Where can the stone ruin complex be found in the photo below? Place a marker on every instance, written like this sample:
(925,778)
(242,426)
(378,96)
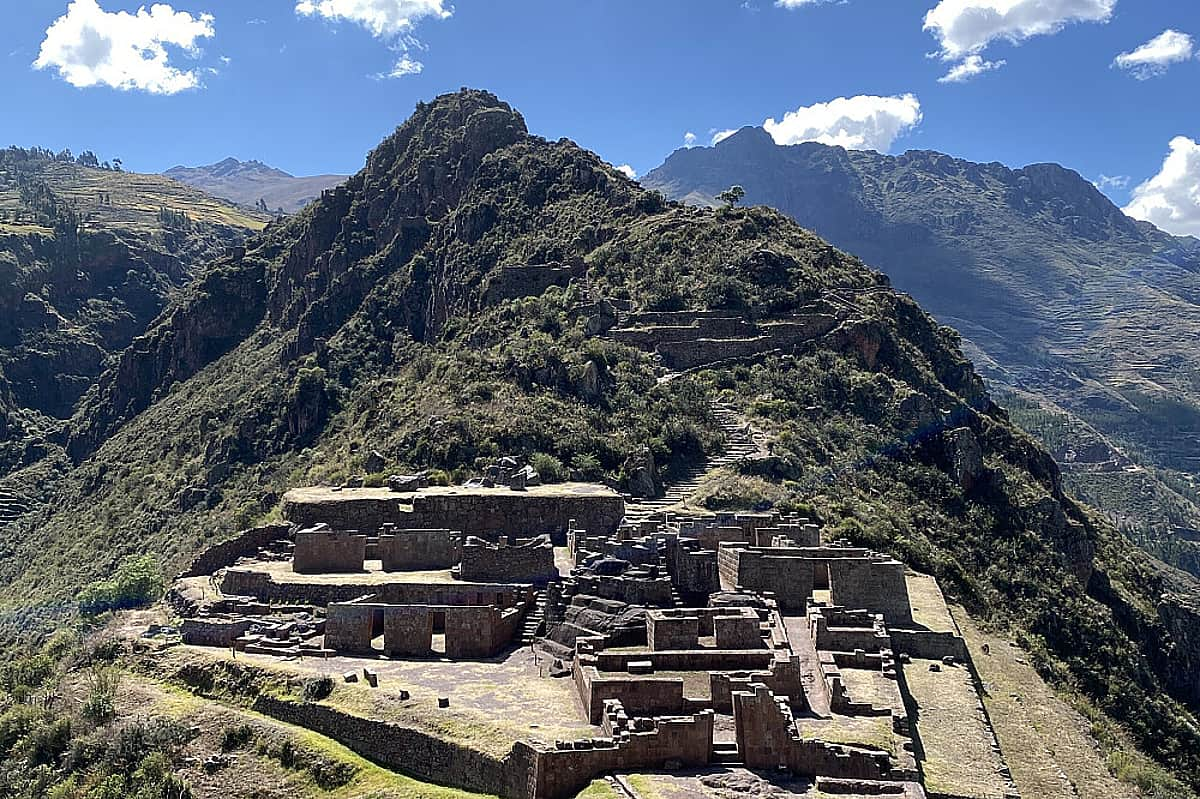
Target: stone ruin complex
(678,642)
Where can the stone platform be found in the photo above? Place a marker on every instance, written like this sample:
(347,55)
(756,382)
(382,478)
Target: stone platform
(487,513)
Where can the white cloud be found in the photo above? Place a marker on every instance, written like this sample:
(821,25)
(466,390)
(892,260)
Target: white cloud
(92,47)
(970,67)
(721,135)
(405,66)
(383,18)
(802,3)
(689,139)
(1171,199)
(627,171)
(1114,182)
(864,122)
(964,28)
(1155,56)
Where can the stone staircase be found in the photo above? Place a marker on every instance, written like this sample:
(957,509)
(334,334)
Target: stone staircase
(726,753)
(12,507)
(534,623)
(741,441)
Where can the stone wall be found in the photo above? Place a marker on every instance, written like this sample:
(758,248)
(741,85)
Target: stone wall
(876,584)
(213,632)
(414,752)
(766,740)
(329,552)
(238,581)
(470,631)
(644,696)
(484,512)
(738,630)
(694,569)
(418,550)
(640,743)
(529,280)
(524,561)
(857,578)
(672,629)
(244,545)
(688,660)
(644,591)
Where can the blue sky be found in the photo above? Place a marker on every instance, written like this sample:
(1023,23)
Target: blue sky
(305,89)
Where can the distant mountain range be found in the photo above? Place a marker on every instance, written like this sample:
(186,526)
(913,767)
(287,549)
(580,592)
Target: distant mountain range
(1058,294)
(249,182)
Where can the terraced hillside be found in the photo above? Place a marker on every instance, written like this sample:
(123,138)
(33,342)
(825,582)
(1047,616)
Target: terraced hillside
(366,324)
(88,258)
(1056,293)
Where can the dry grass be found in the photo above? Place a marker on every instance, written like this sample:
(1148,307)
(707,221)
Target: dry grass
(250,774)
(959,759)
(1045,742)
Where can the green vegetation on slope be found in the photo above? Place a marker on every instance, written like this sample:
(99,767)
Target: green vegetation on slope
(1057,293)
(88,258)
(361,325)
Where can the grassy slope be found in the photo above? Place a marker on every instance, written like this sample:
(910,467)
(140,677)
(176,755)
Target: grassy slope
(372,339)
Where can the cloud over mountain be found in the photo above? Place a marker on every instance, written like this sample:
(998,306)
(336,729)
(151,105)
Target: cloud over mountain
(1171,199)
(89,46)
(864,122)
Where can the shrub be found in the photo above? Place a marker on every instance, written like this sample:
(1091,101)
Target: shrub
(102,683)
(548,467)
(237,737)
(314,689)
(136,582)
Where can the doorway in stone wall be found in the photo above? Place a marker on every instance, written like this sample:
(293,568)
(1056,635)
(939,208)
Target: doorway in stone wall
(822,583)
(377,642)
(439,632)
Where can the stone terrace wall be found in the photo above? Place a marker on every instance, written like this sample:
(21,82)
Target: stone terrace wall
(514,513)
(528,561)
(249,582)
(244,545)
(487,513)
(413,752)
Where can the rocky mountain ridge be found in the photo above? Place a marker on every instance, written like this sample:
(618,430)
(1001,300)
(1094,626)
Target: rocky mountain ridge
(364,324)
(1059,296)
(254,184)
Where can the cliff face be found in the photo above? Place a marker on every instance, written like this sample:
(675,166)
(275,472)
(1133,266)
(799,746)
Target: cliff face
(358,326)
(85,268)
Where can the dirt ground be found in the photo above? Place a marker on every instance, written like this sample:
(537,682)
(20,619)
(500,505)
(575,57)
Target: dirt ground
(492,702)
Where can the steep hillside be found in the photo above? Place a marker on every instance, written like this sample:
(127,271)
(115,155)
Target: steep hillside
(1057,293)
(253,183)
(88,258)
(391,315)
